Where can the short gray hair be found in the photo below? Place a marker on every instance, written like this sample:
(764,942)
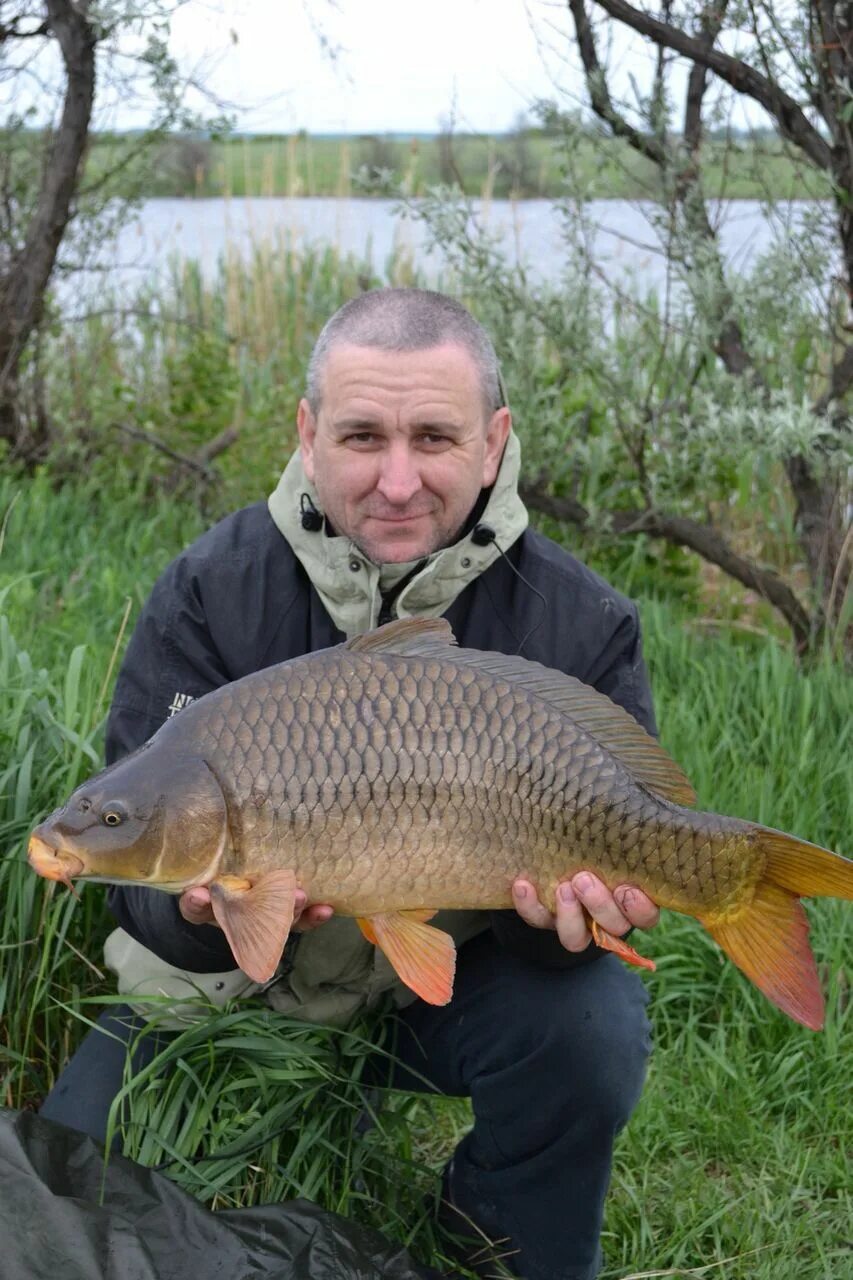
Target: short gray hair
(406,320)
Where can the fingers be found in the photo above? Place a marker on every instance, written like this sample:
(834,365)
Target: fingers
(569,922)
(637,906)
(600,903)
(572,927)
(582,898)
(527,904)
(194,906)
(310,917)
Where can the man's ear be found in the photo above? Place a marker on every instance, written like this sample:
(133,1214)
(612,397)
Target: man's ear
(306,426)
(497,434)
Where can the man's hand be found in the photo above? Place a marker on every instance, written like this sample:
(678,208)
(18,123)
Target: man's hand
(194,905)
(617,912)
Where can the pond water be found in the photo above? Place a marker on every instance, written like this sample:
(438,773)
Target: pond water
(624,246)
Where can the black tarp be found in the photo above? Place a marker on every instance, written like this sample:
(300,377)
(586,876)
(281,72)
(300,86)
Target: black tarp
(64,1217)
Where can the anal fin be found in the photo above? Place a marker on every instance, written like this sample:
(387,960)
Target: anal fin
(255,916)
(769,942)
(423,957)
(621,948)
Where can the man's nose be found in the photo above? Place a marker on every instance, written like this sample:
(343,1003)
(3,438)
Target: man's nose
(399,477)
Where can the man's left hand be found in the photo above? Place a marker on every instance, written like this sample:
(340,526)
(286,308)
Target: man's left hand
(625,908)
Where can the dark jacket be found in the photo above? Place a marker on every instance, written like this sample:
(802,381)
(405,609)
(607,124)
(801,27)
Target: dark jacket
(238,600)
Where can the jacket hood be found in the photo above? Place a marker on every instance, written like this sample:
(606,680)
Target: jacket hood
(350,585)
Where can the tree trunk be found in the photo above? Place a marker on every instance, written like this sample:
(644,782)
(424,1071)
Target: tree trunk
(23,285)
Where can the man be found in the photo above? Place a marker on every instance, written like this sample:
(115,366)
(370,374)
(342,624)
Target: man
(402,501)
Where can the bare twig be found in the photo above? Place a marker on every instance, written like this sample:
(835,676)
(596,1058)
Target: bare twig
(11,30)
(218,445)
(193,464)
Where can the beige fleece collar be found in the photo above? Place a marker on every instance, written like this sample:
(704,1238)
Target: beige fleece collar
(350,585)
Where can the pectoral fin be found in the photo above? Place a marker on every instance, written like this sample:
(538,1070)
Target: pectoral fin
(255,916)
(423,957)
(610,942)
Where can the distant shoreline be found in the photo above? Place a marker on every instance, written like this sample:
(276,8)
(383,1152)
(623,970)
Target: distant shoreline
(526,164)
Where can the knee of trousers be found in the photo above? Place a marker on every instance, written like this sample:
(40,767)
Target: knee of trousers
(585,1044)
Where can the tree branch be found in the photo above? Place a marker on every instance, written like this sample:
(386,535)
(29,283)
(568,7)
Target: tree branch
(218,445)
(831,52)
(199,462)
(817,511)
(711,21)
(13,32)
(599,94)
(683,532)
(839,383)
(183,459)
(785,110)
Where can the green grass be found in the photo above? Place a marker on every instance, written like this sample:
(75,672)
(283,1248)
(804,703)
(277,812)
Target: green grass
(739,1148)
(739,1142)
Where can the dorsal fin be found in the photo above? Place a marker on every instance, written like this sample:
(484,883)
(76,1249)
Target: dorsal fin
(611,725)
(406,636)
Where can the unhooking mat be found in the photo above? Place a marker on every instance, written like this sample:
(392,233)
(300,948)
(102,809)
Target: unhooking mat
(55,1223)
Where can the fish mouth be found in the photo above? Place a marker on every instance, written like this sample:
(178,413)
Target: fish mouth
(53,864)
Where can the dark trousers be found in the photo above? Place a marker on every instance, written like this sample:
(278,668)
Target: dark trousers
(553,1061)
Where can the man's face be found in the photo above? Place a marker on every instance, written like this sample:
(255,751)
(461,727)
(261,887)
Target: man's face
(401,447)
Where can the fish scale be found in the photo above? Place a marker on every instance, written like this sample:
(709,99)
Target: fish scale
(397,775)
(450,783)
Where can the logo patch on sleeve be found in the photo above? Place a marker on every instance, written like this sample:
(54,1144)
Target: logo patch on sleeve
(178,703)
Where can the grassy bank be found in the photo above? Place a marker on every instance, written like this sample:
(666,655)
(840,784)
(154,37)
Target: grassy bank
(739,1148)
(735,1160)
(524,164)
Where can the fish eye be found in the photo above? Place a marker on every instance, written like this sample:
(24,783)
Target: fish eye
(114,815)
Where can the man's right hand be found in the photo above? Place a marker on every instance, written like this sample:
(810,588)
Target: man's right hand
(194,905)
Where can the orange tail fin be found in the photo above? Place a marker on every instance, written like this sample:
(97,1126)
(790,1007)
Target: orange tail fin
(769,939)
(805,869)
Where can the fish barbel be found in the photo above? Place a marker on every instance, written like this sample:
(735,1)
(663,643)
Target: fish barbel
(395,775)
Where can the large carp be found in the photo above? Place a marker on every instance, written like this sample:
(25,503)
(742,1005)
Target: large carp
(395,775)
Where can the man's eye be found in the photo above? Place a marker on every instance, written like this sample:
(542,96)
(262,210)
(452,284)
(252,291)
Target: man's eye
(361,438)
(433,439)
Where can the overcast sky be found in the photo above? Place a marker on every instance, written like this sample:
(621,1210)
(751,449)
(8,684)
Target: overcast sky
(400,64)
(367,66)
